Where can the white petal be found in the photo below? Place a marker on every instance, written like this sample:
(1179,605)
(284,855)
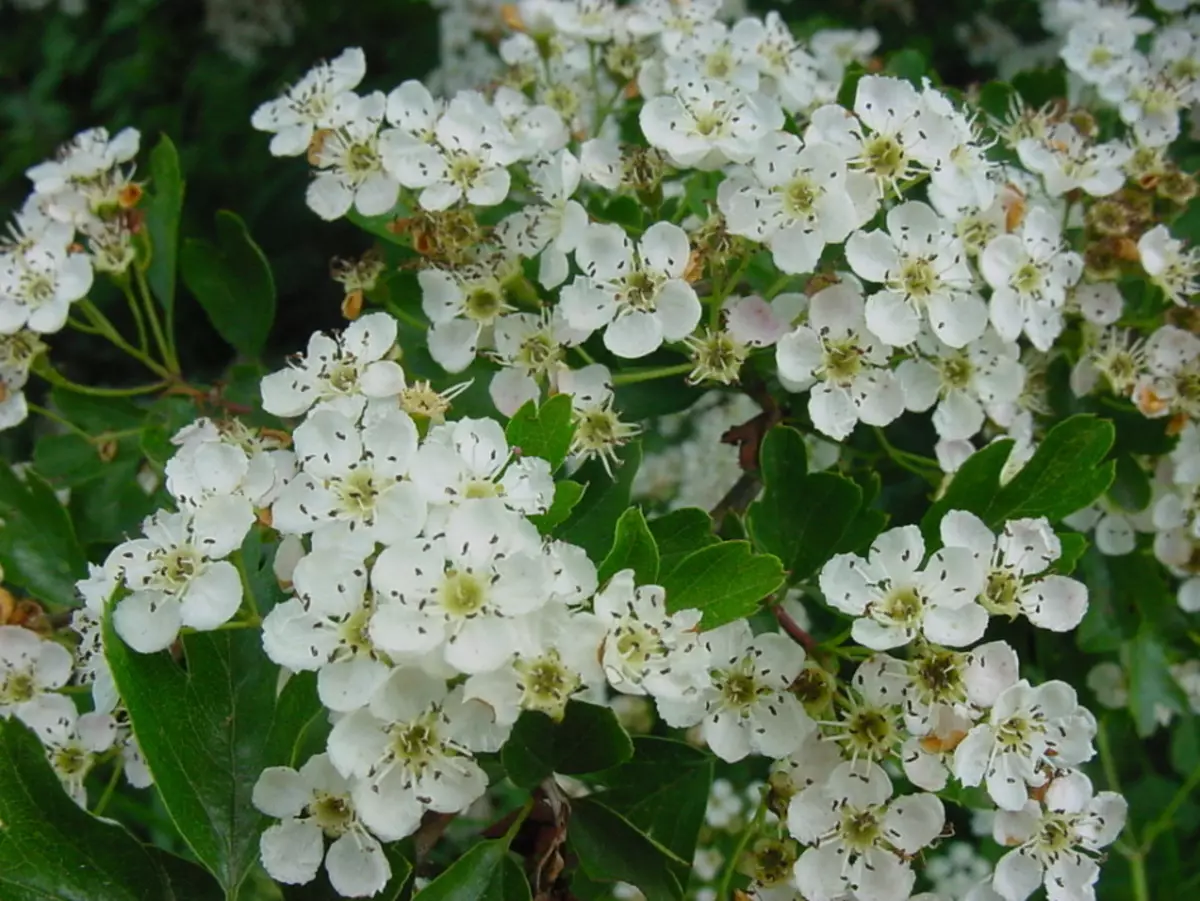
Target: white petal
(357,866)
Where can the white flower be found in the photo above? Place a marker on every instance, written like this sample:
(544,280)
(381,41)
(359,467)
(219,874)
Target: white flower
(176,574)
(710,52)
(745,707)
(861,841)
(963,383)
(339,372)
(1023,550)
(531,348)
(795,199)
(704,124)
(561,662)
(841,363)
(637,295)
(227,459)
(313,804)
(788,71)
(1058,840)
(323,98)
(1066,160)
(1029,730)
(1096,51)
(407,753)
(553,228)
(353,476)
(462,303)
(923,267)
(1169,266)
(473,147)
(350,171)
(895,600)
(535,127)
(468,592)
(647,650)
(84,175)
(38,286)
(30,668)
(72,740)
(18,352)
(759,323)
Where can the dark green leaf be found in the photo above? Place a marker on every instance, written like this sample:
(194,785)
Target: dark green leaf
(801,517)
(588,739)
(593,522)
(663,791)
(232,280)
(162,221)
(1185,745)
(1038,87)
(995,99)
(38,547)
(69,459)
(566,496)
(484,873)
(849,87)
(972,488)
(1073,547)
(207,735)
(544,431)
(108,509)
(907,64)
(52,849)
(98,415)
(1064,475)
(678,534)
(633,548)
(1150,681)
(726,582)
(611,849)
(862,532)
(1131,485)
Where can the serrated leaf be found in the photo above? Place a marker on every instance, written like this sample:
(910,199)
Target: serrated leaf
(1064,475)
(163,211)
(484,873)
(679,533)
(593,522)
(52,849)
(633,548)
(38,547)
(801,516)
(589,739)
(207,733)
(726,582)
(566,496)
(663,791)
(232,280)
(972,488)
(611,849)
(544,431)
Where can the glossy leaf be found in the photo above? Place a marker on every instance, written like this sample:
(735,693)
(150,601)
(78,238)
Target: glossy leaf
(679,533)
(633,548)
(38,546)
(566,496)
(588,739)
(163,211)
(611,849)
(593,522)
(726,581)
(232,280)
(484,873)
(544,431)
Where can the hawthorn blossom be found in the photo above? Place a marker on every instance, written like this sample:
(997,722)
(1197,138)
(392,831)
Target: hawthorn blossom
(31,667)
(895,599)
(350,171)
(1169,266)
(38,286)
(704,124)
(635,293)
(552,229)
(323,99)
(72,740)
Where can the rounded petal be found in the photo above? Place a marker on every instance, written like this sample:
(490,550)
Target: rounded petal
(292,851)
(357,866)
(147,621)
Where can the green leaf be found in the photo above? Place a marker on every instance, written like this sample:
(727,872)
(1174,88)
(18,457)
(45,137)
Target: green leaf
(726,582)
(1074,545)
(99,415)
(678,534)
(233,282)
(163,211)
(52,849)
(972,488)
(907,64)
(1131,485)
(633,548)
(1185,745)
(849,86)
(593,522)
(484,873)
(544,431)
(1150,681)
(588,739)
(801,517)
(1064,475)
(566,497)
(995,99)
(38,546)
(69,458)
(381,226)
(663,791)
(1038,87)
(611,849)
(208,733)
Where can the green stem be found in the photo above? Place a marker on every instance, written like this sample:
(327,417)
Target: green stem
(633,376)
(232,626)
(1141,887)
(164,342)
(83,327)
(110,788)
(407,318)
(583,354)
(54,417)
(916,464)
(1163,821)
(247,588)
(109,331)
(743,840)
(136,309)
(54,377)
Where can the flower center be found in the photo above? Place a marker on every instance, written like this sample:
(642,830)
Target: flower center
(463,594)
(17,688)
(902,607)
(362,159)
(938,675)
(180,564)
(563,99)
(357,492)
(463,170)
(739,688)
(800,197)
(710,124)
(333,813)
(884,157)
(484,303)
(343,377)
(71,761)
(1027,279)
(918,278)
(641,290)
(415,744)
(842,360)
(1001,592)
(637,643)
(955,372)
(546,684)
(1055,834)
(870,732)
(860,829)
(1016,733)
